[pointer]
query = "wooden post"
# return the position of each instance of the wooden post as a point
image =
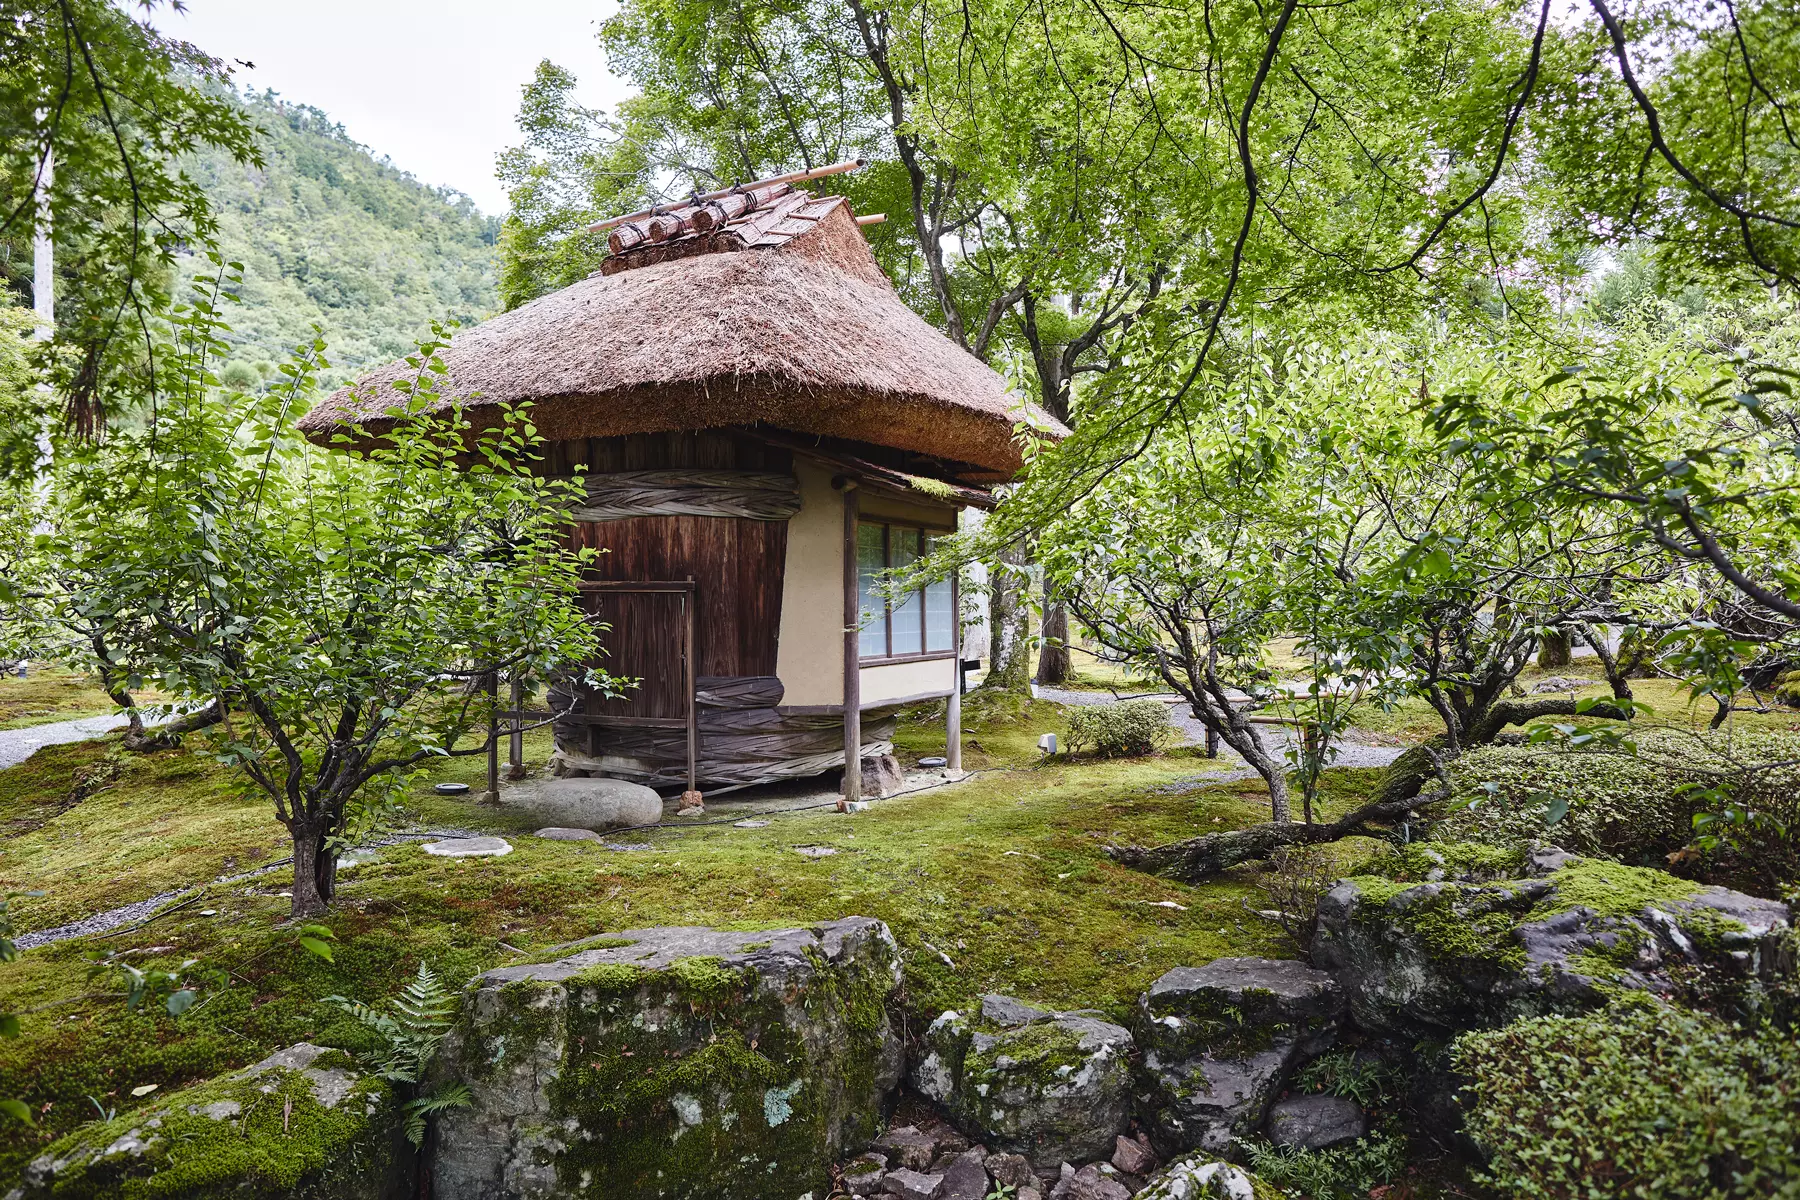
(690, 799)
(491, 683)
(852, 657)
(953, 707)
(515, 744)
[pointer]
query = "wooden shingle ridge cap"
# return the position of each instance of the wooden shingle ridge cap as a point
(768, 212)
(780, 215)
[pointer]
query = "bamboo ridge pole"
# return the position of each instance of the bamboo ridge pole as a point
(657, 210)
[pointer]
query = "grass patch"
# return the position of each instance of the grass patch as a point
(52, 693)
(999, 883)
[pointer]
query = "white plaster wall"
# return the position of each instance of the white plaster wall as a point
(887, 506)
(893, 681)
(809, 654)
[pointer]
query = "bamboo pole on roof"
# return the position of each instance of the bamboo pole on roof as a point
(657, 210)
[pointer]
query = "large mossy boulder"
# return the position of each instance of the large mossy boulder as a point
(303, 1122)
(678, 1062)
(1219, 1042)
(1445, 937)
(1053, 1086)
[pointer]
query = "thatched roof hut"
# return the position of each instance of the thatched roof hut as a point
(762, 428)
(778, 317)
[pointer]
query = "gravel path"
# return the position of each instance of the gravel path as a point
(142, 910)
(17, 745)
(1279, 737)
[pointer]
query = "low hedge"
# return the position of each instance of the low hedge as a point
(1638, 807)
(1642, 1100)
(1126, 728)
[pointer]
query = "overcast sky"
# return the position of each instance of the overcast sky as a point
(432, 84)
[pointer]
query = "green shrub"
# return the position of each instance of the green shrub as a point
(1638, 807)
(1641, 1100)
(1122, 729)
(1348, 1172)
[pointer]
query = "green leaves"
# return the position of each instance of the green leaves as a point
(315, 940)
(172, 990)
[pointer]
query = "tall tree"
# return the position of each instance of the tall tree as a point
(334, 604)
(114, 104)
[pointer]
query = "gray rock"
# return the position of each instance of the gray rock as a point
(1316, 1122)
(881, 776)
(966, 1178)
(1029, 1193)
(760, 1057)
(908, 1146)
(863, 1175)
(1007, 1013)
(1219, 1042)
(1201, 1178)
(585, 803)
(348, 1117)
(1472, 950)
(1011, 1170)
(475, 847)
(558, 833)
(1133, 1155)
(908, 1184)
(1050, 1086)
(1092, 1182)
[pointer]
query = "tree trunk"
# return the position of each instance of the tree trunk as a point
(1199, 858)
(1637, 655)
(1407, 774)
(1554, 652)
(1054, 663)
(1009, 623)
(315, 872)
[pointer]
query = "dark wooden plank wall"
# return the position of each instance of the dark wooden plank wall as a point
(736, 563)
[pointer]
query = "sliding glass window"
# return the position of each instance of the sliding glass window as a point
(919, 622)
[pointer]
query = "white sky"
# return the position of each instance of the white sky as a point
(432, 84)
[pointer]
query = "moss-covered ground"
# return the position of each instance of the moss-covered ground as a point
(997, 883)
(51, 693)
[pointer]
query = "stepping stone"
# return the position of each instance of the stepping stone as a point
(558, 833)
(747, 824)
(934, 762)
(475, 847)
(627, 846)
(815, 851)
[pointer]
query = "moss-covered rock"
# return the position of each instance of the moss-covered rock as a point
(674, 1062)
(1205, 1178)
(1441, 939)
(301, 1123)
(1053, 1086)
(1219, 1042)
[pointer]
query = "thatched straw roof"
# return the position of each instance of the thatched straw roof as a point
(779, 316)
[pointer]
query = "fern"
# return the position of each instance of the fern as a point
(423, 1108)
(420, 1016)
(417, 1020)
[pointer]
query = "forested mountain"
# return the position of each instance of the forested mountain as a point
(329, 234)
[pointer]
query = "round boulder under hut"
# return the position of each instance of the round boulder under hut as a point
(762, 427)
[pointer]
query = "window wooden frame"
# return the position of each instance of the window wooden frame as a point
(888, 527)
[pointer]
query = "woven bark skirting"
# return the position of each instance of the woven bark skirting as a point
(760, 495)
(738, 691)
(737, 746)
